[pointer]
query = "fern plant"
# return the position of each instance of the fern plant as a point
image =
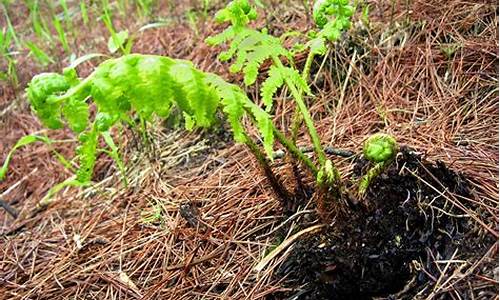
(144, 86)
(250, 48)
(381, 150)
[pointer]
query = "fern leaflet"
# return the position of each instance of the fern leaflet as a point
(270, 86)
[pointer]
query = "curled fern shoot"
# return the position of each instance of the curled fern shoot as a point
(381, 150)
(380, 147)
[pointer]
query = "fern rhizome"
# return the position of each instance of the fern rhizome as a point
(142, 86)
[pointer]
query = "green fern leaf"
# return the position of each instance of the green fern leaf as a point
(255, 60)
(145, 85)
(232, 99)
(76, 112)
(103, 121)
(149, 94)
(234, 46)
(241, 58)
(296, 78)
(270, 86)
(202, 99)
(40, 89)
(106, 93)
(265, 127)
(189, 121)
(87, 153)
(317, 46)
(221, 38)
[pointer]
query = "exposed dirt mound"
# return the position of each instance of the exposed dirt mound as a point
(380, 248)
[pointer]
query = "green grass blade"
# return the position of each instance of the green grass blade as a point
(61, 34)
(84, 58)
(47, 199)
(25, 140)
(115, 155)
(10, 27)
(83, 11)
(39, 54)
(67, 19)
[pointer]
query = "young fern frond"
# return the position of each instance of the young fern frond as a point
(41, 87)
(380, 149)
(294, 76)
(232, 100)
(265, 126)
(76, 112)
(255, 57)
(277, 77)
(221, 38)
(332, 17)
(251, 48)
(238, 12)
(235, 103)
(144, 85)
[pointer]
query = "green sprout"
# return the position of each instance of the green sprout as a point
(6, 38)
(380, 149)
(84, 13)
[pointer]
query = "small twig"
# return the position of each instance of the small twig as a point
(297, 214)
(278, 154)
(339, 152)
(9, 209)
(263, 263)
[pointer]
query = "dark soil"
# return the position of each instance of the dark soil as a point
(382, 246)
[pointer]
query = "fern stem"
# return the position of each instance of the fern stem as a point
(276, 185)
(297, 118)
(295, 151)
(296, 121)
(307, 67)
(318, 149)
(368, 178)
(289, 145)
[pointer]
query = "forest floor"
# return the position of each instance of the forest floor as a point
(198, 214)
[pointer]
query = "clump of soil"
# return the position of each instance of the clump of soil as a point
(378, 249)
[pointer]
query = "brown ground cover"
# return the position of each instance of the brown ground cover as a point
(198, 214)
